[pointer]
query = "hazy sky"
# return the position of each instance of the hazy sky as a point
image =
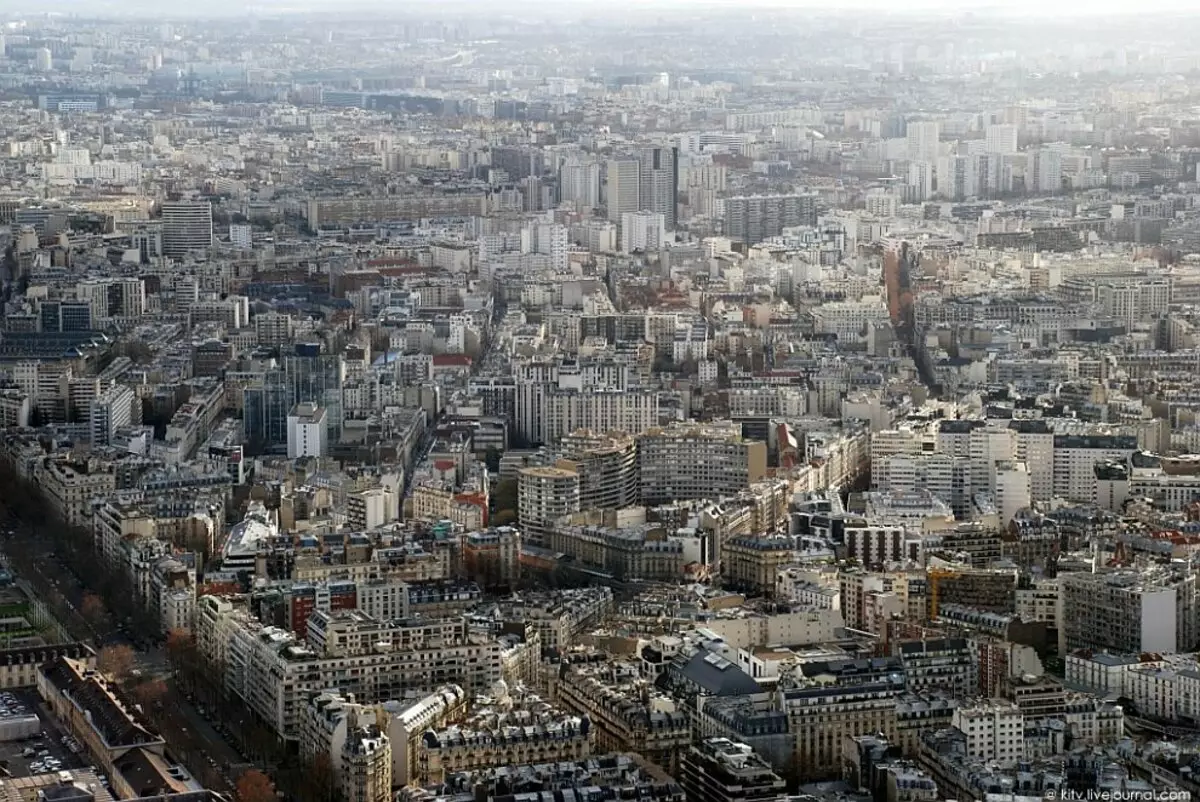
(1084, 8)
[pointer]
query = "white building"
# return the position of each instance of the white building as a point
(307, 435)
(1010, 489)
(924, 141)
(240, 236)
(995, 731)
(1001, 139)
(643, 231)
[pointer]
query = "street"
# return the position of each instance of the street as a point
(190, 738)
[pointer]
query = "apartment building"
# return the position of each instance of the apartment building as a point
(272, 671)
(71, 485)
(995, 731)
(693, 461)
(754, 563)
(940, 664)
(543, 496)
(628, 714)
(829, 701)
(408, 721)
(1129, 611)
(607, 465)
(502, 739)
(366, 760)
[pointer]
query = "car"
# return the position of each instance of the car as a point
(28, 752)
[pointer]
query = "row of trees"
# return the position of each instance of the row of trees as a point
(110, 598)
(299, 779)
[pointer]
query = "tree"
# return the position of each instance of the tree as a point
(116, 661)
(150, 694)
(181, 647)
(317, 779)
(254, 786)
(505, 517)
(504, 495)
(92, 608)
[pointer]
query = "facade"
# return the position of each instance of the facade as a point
(543, 496)
(307, 431)
(187, 226)
(829, 701)
(995, 731)
(1129, 611)
(754, 218)
(697, 461)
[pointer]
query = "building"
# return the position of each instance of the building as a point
(720, 770)
(658, 183)
(754, 218)
(543, 496)
(697, 461)
(366, 765)
(643, 231)
(110, 411)
(607, 466)
(503, 739)
(492, 558)
(1001, 138)
(43, 60)
(371, 508)
(924, 141)
(945, 665)
(623, 179)
(307, 431)
(1129, 611)
(827, 702)
(995, 731)
(187, 226)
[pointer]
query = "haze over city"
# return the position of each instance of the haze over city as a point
(658, 401)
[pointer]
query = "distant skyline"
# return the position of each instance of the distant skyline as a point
(1023, 8)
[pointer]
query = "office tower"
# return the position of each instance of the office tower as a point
(624, 187)
(919, 186)
(643, 231)
(923, 141)
(956, 177)
(187, 226)
(308, 376)
(66, 316)
(754, 218)
(43, 61)
(1043, 171)
(1001, 139)
(579, 183)
(658, 178)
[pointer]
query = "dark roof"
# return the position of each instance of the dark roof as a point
(717, 676)
(915, 647)
(88, 690)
